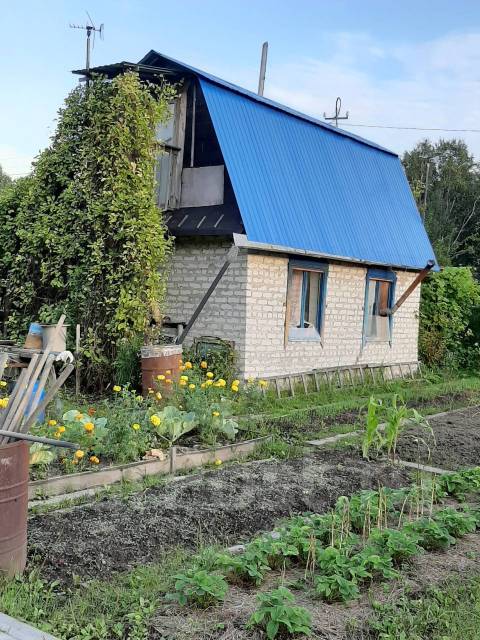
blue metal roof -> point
(299, 184)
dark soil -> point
(226, 506)
(456, 442)
(308, 421)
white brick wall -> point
(248, 307)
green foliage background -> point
(449, 311)
(82, 234)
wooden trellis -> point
(350, 376)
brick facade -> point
(249, 308)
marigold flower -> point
(191, 386)
(91, 411)
(61, 429)
(94, 460)
(209, 374)
(221, 382)
(136, 426)
(215, 414)
(52, 423)
(3, 383)
(158, 395)
(183, 383)
(89, 427)
(234, 388)
(184, 378)
(150, 390)
(117, 388)
(168, 372)
(203, 364)
(168, 381)
(208, 383)
(180, 361)
(160, 376)
(155, 420)
(181, 367)
(263, 383)
(218, 462)
(236, 382)
(203, 385)
(188, 365)
(3, 403)
(79, 454)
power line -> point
(384, 126)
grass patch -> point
(451, 612)
(95, 610)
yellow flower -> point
(234, 388)
(168, 381)
(139, 398)
(180, 361)
(218, 462)
(155, 420)
(203, 385)
(3, 403)
(89, 427)
(263, 383)
(79, 454)
(61, 429)
(94, 460)
(3, 383)
(208, 383)
(203, 364)
(79, 416)
(250, 380)
(158, 395)
(168, 372)
(221, 382)
(136, 426)
(52, 423)
(117, 388)
(184, 378)
(191, 386)
(183, 383)
(181, 367)
(209, 374)
(188, 365)
(215, 414)
(161, 377)
(236, 382)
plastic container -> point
(13, 507)
(60, 342)
(34, 339)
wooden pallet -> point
(350, 376)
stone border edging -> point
(138, 470)
(16, 630)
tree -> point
(445, 180)
(5, 180)
(82, 234)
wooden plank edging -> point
(16, 630)
(138, 470)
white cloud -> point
(14, 162)
(433, 84)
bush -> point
(448, 315)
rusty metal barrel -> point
(13, 507)
(159, 360)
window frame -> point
(307, 266)
(383, 275)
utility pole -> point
(263, 69)
(336, 116)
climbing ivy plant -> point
(82, 234)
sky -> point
(399, 63)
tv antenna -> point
(336, 116)
(90, 28)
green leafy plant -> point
(336, 588)
(40, 455)
(199, 587)
(457, 523)
(432, 536)
(173, 424)
(372, 436)
(399, 545)
(278, 615)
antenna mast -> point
(89, 28)
(263, 69)
(336, 116)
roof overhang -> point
(240, 240)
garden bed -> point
(456, 444)
(221, 506)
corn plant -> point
(372, 436)
(278, 615)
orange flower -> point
(91, 411)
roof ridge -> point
(268, 102)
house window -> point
(379, 296)
(167, 170)
(306, 300)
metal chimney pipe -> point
(263, 69)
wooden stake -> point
(77, 360)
